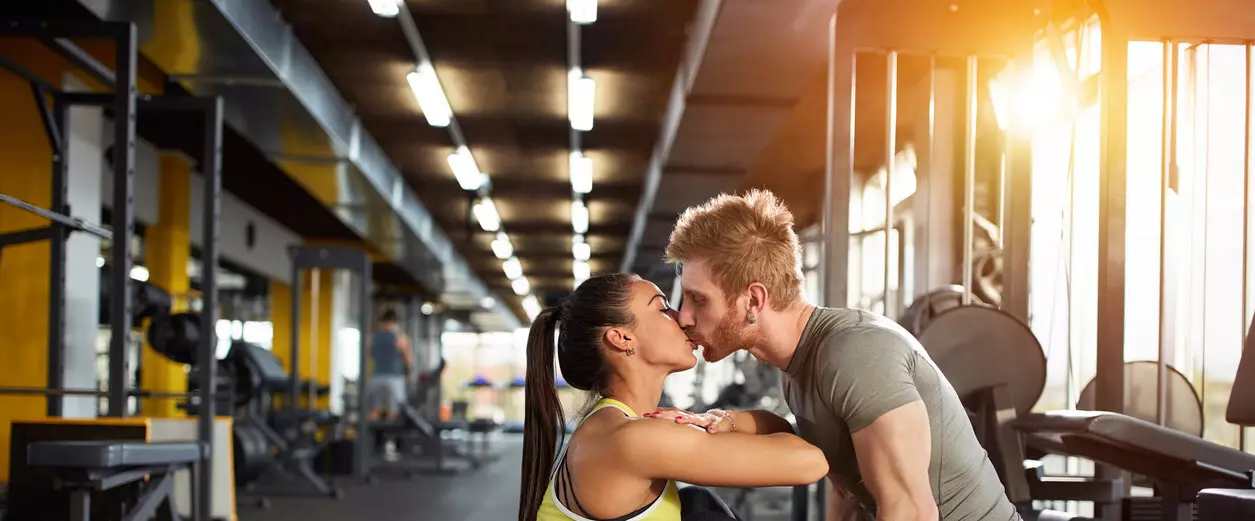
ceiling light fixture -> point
(426, 87)
(465, 170)
(390, 8)
(581, 93)
(501, 246)
(581, 173)
(520, 285)
(582, 11)
(486, 213)
(531, 306)
(487, 302)
(580, 248)
(513, 268)
(582, 271)
(579, 217)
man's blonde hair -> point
(744, 239)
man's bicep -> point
(866, 374)
(893, 456)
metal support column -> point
(1167, 135)
(58, 233)
(891, 131)
(838, 178)
(1113, 156)
(294, 351)
(1017, 232)
(365, 438)
(211, 170)
(969, 177)
(123, 215)
(1246, 220)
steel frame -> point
(124, 102)
(335, 258)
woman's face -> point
(659, 338)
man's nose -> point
(684, 316)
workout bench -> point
(83, 467)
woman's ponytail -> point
(543, 417)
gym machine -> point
(314, 259)
(1001, 391)
(97, 464)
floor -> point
(487, 495)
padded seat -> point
(110, 454)
(1129, 443)
(1225, 504)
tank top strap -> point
(611, 402)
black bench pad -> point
(110, 454)
(1222, 504)
(1125, 433)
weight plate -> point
(1184, 410)
(977, 347)
(917, 316)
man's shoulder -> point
(852, 330)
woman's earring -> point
(631, 351)
(752, 319)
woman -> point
(619, 340)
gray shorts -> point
(387, 392)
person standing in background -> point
(391, 360)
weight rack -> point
(124, 101)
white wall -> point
(144, 187)
(268, 256)
(82, 276)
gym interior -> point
(207, 205)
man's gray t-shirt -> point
(850, 368)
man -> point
(898, 441)
(390, 353)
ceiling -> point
(503, 67)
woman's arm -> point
(716, 421)
(667, 450)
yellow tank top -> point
(665, 508)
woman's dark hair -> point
(598, 303)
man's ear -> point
(619, 339)
(757, 301)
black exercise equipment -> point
(986, 354)
(980, 347)
(126, 102)
(917, 316)
(1183, 412)
(1221, 504)
(275, 445)
(84, 467)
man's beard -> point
(730, 336)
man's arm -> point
(403, 345)
(893, 455)
(868, 375)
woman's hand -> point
(714, 421)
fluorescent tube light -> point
(579, 217)
(501, 246)
(426, 87)
(581, 93)
(513, 268)
(582, 11)
(486, 213)
(465, 170)
(389, 8)
(581, 173)
(520, 285)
